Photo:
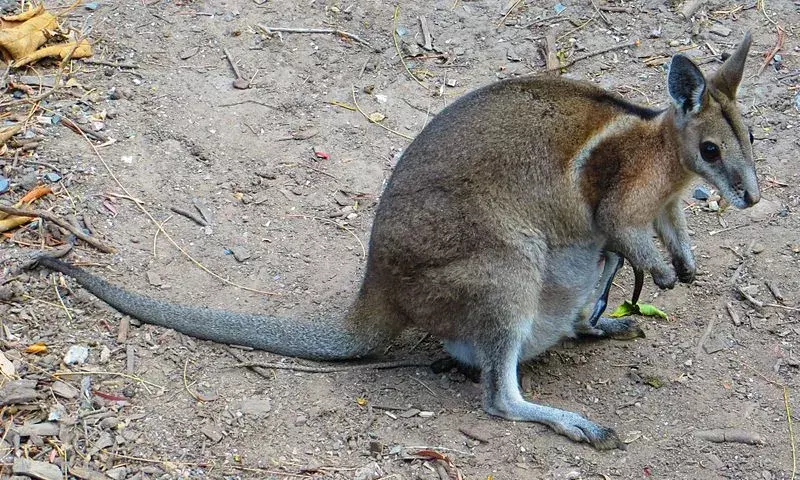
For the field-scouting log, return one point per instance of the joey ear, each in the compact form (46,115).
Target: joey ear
(727,77)
(686,84)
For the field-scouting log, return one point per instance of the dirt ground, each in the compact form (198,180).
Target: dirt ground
(291,175)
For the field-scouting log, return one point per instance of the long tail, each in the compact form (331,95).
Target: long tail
(325,339)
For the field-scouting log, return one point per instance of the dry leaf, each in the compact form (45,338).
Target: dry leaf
(37,347)
(23,39)
(62,50)
(6,367)
(13,222)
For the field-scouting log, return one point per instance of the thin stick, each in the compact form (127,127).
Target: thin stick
(755,302)
(60,299)
(186,382)
(109,63)
(600,52)
(341,33)
(510,9)
(773,52)
(113,374)
(258,370)
(61,223)
(397,47)
(332,369)
(348,230)
(423,384)
(158,230)
(191,216)
(791,431)
(716,232)
(376,123)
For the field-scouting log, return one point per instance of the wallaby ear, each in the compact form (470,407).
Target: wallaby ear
(727,78)
(686,84)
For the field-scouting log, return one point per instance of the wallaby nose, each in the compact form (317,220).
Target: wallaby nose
(751,198)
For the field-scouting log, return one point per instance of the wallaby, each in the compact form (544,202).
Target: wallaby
(491,230)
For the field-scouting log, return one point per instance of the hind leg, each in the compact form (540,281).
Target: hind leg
(499,355)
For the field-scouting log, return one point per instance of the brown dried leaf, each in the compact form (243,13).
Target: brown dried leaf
(23,39)
(62,50)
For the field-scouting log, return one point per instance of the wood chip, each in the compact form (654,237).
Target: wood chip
(46,429)
(34,469)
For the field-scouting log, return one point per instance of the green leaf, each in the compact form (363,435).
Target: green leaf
(647,310)
(624,310)
(651,311)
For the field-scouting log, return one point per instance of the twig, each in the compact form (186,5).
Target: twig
(600,52)
(159,229)
(248,101)
(61,223)
(341,33)
(186,382)
(399,53)
(341,368)
(325,220)
(423,384)
(602,15)
(734,316)
(755,302)
(60,299)
(191,216)
(508,12)
(771,54)
(109,63)
(792,441)
(704,336)
(260,371)
(376,123)
(550,50)
(774,290)
(113,374)
(73,125)
(717,232)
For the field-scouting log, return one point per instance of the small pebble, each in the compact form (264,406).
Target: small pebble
(701,193)
(758,247)
(52,177)
(76,354)
(90,6)
(3,184)
(713,206)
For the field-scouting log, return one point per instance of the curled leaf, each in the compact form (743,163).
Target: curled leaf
(647,310)
(37,347)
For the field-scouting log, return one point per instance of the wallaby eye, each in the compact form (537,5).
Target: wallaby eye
(709,151)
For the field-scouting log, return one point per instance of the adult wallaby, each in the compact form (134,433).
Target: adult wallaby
(490,230)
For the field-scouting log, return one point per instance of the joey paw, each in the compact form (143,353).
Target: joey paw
(664,279)
(686,269)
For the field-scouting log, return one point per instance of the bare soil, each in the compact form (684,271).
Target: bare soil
(291,175)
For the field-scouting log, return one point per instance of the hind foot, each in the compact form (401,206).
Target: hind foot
(615,328)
